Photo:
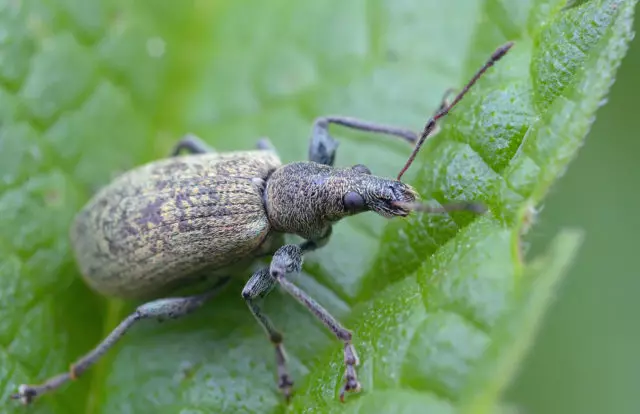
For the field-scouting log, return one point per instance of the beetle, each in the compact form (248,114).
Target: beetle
(161,225)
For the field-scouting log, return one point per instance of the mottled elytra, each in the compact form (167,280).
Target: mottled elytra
(171,221)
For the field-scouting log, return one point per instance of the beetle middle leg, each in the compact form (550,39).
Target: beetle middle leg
(192,144)
(160,309)
(259,286)
(286,261)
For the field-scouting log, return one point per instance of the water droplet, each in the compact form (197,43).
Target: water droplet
(155,47)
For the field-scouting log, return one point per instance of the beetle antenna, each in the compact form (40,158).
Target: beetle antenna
(431,124)
(471,206)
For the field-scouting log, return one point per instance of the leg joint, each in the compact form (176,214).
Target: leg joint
(344,335)
(322,121)
(275,337)
(73,374)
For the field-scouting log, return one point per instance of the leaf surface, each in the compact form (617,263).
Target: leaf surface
(442,307)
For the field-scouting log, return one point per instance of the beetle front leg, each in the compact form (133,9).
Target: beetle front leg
(323,146)
(260,284)
(169,308)
(288,260)
(192,144)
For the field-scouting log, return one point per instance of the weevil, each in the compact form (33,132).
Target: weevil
(157,226)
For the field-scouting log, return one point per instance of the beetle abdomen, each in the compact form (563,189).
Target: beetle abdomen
(169,219)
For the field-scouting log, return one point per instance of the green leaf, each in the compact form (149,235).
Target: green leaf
(442,307)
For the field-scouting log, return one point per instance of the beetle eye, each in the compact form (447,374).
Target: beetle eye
(362,169)
(353,202)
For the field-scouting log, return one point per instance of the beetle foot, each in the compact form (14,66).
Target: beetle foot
(26,394)
(285,384)
(351,361)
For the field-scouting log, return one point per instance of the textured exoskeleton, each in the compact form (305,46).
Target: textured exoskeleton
(172,221)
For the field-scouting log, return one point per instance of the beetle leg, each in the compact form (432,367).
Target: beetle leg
(323,146)
(260,284)
(311,245)
(288,260)
(192,144)
(159,309)
(265,144)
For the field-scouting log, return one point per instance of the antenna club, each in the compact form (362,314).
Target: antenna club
(501,51)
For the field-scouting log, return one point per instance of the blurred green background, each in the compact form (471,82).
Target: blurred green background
(587,356)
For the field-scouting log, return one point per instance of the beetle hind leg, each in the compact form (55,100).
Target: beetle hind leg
(192,144)
(265,144)
(158,309)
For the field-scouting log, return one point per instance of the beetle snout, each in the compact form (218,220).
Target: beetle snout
(402,193)
(392,200)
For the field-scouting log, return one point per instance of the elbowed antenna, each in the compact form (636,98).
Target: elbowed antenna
(431,124)
(471,206)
